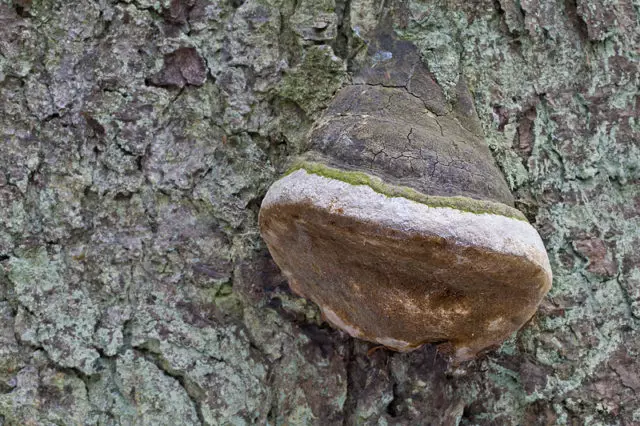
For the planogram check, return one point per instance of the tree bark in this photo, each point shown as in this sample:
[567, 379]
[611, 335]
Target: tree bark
[138, 137]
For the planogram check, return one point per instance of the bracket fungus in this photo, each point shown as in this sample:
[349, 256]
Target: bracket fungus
[397, 222]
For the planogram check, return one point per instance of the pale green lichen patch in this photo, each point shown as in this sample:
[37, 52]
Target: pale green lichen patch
[465, 204]
[313, 83]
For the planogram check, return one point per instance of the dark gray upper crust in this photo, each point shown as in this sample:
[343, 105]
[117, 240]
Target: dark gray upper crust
[396, 63]
[397, 125]
[389, 133]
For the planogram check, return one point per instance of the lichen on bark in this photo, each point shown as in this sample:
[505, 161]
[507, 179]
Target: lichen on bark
[138, 137]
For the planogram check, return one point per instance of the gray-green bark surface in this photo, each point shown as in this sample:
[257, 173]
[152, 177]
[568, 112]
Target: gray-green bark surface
[138, 137]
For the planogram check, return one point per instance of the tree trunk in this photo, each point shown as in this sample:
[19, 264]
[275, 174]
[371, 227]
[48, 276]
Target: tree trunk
[138, 137]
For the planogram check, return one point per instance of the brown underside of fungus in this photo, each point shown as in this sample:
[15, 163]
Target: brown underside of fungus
[398, 223]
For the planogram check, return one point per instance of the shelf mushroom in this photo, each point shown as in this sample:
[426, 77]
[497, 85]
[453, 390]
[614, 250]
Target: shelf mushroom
[398, 224]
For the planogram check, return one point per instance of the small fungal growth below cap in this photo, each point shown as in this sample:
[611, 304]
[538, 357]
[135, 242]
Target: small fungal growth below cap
[398, 223]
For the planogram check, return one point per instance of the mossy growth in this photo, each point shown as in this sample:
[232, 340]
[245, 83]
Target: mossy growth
[465, 204]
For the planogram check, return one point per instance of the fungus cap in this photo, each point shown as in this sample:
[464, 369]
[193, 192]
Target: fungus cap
[397, 221]
[400, 272]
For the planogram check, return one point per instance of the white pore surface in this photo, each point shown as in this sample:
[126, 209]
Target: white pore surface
[494, 232]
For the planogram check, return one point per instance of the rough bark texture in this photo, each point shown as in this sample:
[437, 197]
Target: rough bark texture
[138, 137]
